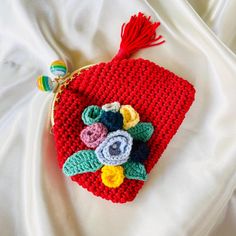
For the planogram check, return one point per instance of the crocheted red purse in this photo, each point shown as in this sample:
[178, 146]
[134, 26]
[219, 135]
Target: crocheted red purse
[112, 121]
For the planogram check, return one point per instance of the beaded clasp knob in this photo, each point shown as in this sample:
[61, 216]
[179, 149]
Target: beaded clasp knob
[46, 84]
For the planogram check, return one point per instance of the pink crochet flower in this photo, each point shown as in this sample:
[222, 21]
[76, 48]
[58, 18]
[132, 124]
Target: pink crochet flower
[93, 135]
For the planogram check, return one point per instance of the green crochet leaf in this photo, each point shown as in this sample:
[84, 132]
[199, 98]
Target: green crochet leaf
[81, 162]
[135, 170]
[142, 131]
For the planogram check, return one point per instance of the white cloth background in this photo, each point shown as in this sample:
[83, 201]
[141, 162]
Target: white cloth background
[190, 190]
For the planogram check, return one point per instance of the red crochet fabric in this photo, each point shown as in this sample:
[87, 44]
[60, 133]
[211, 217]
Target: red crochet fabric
[158, 95]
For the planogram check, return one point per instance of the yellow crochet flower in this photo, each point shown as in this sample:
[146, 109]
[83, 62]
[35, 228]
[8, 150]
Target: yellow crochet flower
[112, 176]
[130, 116]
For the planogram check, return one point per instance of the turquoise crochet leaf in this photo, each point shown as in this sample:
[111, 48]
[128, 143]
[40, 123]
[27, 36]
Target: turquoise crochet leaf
[135, 170]
[142, 131]
[81, 162]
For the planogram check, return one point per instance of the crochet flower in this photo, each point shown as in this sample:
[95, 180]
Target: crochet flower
[130, 116]
[115, 148]
[119, 140]
[112, 120]
[112, 176]
[114, 106]
[91, 115]
[93, 135]
[139, 152]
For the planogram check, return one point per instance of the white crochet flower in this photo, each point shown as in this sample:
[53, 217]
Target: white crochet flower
[114, 106]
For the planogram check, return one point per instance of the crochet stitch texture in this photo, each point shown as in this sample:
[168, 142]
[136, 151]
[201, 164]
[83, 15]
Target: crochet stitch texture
[140, 151]
[115, 149]
[112, 120]
[112, 176]
[81, 161]
[91, 115]
[114, 106]
[160, 97]
[93, 135]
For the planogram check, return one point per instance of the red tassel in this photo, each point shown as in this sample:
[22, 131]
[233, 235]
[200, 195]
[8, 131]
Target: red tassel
[138, 33]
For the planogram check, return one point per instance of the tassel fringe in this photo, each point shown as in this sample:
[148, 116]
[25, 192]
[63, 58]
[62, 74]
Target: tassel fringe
[138, 33]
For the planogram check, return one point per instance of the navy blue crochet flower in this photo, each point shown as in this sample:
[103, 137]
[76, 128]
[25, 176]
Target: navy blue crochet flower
[139, 152]
[112, 120]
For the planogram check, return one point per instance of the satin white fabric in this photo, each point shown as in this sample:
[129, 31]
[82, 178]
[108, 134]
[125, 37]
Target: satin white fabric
[190, 190]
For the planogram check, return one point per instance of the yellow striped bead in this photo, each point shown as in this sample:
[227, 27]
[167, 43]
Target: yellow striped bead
[45, 84]
[58, 68]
